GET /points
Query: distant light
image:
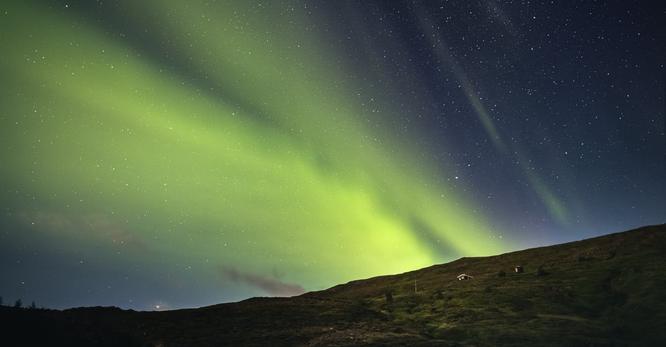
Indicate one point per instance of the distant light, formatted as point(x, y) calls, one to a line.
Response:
point(157, 307)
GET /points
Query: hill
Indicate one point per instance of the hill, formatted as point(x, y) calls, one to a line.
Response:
point(604, 291)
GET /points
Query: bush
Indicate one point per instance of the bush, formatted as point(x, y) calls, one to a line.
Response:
point(439, 295)
point(519, 304)
point(360, 309)
point(501, 273)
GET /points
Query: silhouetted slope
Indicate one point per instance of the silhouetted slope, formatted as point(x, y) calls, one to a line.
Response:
point(604, 291)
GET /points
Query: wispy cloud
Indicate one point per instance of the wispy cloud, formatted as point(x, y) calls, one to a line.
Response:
point(270, 285)
point(95, 225)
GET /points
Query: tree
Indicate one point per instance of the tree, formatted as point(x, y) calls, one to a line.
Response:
point(32, 305)
point(0, 301)
point(18, 303)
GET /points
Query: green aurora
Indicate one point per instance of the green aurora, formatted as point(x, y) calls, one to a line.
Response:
point(264, 162)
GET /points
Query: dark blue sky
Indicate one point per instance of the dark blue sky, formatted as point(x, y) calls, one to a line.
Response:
point(188, 153)
point(575, 91)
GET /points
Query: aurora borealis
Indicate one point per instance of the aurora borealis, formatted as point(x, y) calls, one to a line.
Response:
point(189, 153)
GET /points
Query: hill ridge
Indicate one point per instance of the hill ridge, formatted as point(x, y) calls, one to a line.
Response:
point(608, 290)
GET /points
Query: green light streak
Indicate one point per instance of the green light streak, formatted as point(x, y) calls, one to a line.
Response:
point(286, 175)
point(550, 201)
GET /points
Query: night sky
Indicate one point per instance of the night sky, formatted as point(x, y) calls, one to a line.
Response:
point(168, 154)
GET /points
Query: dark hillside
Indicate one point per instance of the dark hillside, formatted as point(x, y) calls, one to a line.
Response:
point(604, 291)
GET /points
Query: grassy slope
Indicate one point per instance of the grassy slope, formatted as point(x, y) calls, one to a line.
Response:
point(609, 290)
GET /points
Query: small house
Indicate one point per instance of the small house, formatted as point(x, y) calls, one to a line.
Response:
point(518, 269)
point(463, 277)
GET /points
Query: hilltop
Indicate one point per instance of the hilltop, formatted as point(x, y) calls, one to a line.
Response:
point(603, 291)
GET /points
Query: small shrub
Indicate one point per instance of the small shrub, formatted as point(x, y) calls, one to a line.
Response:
point(453, 333)
point(583, 258)
point(501, 273)
point(439, 295)
point(520, 304)
point(360, 308)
